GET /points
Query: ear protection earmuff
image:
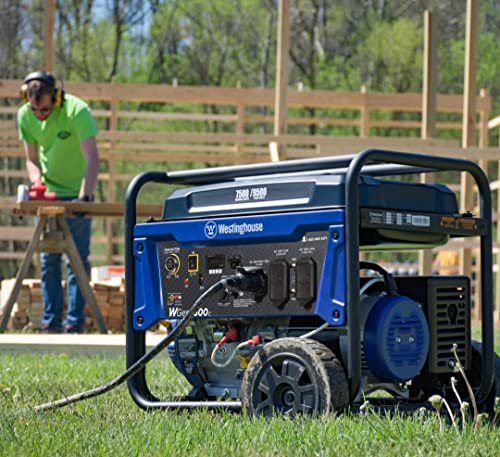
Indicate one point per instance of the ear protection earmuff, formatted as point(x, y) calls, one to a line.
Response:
point(47, 78)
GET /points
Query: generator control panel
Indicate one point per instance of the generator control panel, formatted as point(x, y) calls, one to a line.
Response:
point(293, 270)
point(300, 253)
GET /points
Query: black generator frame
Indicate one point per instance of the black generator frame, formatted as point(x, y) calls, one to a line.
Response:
point(371, 162)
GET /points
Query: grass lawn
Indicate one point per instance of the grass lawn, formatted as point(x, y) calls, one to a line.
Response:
point(112, 425)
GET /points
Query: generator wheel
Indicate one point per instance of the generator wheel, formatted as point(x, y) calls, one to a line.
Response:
point(475, 375)
point(294, 376)
point(426, 385)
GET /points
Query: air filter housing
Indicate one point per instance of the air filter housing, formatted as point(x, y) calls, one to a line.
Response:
point(447, 304)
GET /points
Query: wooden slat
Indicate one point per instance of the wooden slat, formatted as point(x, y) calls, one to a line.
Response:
point(304, 120)
point(16, 233)
point(248, 96)
point(11, 255)
point(32, 207)
point(12, 134)
point(166, 147)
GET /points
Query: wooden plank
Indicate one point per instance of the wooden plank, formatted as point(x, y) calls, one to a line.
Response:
point(10, 152)
point(160, 116)
point(281, 89)
point(304, 120)
point(469, 122)
point(48, 35)
point(166, 147)
point(21, 273)
point(81, 275)
point(364, 129)
point(92, 344)
point(176, 157)
point(240, 125)
point(483, 122)
point(11, 255)
point(471, 55)
point(429, 89)
point(32, 207)
point(16, 233)
point(247, 96)
point(113, 125)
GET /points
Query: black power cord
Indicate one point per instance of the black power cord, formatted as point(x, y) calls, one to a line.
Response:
point(389, 281)
point(250, 279)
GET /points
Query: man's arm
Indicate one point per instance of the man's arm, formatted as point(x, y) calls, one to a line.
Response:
point(32, 164)
point(89, 150)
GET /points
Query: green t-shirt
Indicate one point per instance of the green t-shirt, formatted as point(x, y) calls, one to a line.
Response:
point(58, 138)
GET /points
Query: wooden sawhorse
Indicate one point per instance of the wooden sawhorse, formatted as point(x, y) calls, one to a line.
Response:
point(52, 234)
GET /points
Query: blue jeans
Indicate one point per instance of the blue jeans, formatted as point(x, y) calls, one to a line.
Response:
point(51, 280)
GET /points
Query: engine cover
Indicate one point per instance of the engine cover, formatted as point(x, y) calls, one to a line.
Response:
point(396, 339)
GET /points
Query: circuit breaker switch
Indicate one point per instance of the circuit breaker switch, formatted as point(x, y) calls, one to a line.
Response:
point(193, 263)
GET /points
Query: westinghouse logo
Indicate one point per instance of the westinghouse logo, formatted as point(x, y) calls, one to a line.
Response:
point(212, 229)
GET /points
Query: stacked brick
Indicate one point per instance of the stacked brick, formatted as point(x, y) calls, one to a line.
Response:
point(110, 297)
point(27, 312)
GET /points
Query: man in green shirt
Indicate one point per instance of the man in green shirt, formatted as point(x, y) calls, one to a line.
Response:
point(58, 134)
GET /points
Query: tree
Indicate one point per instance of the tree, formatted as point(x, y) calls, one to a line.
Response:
point(90, 46)
point(10, 28)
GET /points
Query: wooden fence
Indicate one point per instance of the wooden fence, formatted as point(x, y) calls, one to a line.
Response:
point(145, 127)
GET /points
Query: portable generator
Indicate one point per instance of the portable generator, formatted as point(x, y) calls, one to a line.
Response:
point(257, 268)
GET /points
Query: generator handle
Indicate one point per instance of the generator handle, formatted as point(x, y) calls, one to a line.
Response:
point(352, 257)
point(135, 341)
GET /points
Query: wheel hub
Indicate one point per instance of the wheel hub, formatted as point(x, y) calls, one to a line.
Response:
point(285, 395)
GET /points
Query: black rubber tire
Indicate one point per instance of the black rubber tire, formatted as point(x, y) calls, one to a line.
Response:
point(475, 376)
point(294, 376)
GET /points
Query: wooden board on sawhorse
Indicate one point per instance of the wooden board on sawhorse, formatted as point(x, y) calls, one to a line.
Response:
point(52, 234)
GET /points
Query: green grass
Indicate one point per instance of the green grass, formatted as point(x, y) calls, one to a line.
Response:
point(112, 424)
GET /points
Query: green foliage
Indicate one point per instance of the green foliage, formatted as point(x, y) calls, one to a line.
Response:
point(333, 45)
point(395, 50)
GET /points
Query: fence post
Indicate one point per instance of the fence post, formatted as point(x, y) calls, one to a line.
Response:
point(110, 223)
point(469, 124)
point(48, 28)
point(281, 89)
point(240, 130)
point(428, 113)
point(364, 130)
point(483, 163)
point(483, 121)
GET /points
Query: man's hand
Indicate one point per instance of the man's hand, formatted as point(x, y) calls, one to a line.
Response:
point(38, 191)
point(38, 186)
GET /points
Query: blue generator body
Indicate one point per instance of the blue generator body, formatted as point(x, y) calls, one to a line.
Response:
point(325, 327)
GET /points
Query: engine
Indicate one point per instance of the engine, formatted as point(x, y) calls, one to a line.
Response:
point(401, 337)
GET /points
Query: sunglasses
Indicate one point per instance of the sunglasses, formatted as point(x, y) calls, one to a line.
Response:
point(40, 110)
